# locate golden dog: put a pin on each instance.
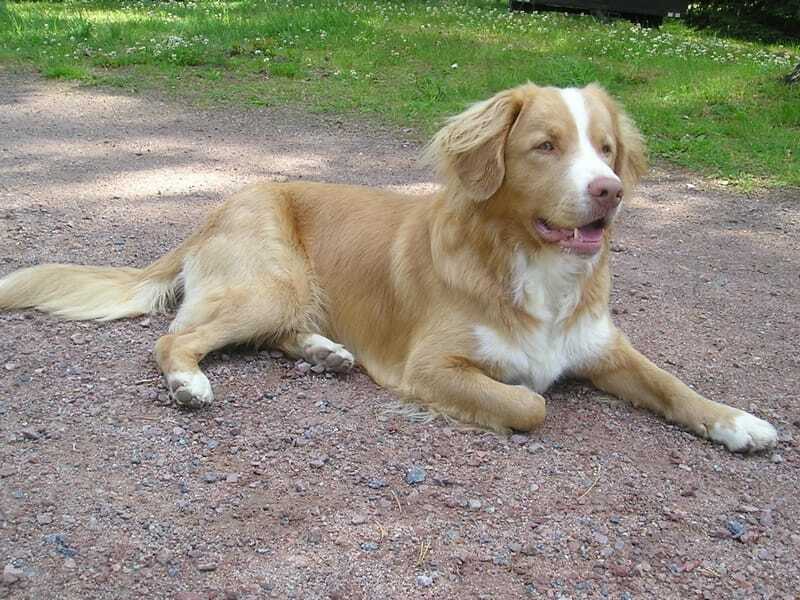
(472, 300)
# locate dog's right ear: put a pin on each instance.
(469, 150)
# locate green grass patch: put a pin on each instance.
(710, 104)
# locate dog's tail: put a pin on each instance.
(101, 293)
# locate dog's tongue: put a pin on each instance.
(586, 239)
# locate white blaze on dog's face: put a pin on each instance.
(567, 155)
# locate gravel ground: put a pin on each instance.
(297, 486)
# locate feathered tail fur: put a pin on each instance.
(100, 293)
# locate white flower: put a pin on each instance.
(454, 66)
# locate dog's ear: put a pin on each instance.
(631, 162)
(470, 148)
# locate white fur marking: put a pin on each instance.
(549, 289)
(587, 164)
(195, 383)
(748, 434)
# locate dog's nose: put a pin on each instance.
(606, 191)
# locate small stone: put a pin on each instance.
(10, 366)
(424, 581)
(212, 477)
(77, 339)
(319, 461)
(518, 439)
(318, 369)
(69, 563)
(206, 566)
(776, 458)
(30, 433)
(736, 528)
(474, 504)
(44, 518)
(415, 475)
(369, 546)
(501, 560)
(275, 354)
(178, 431)
(534, 448)
(7, 472)
(515, 547)
(763, 554)
(144, 323)
(164, 557)
(12, 574)
(358, 519)
(302, 367)
(300, 486)
(374, 483)
(232, 478)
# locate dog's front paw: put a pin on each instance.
(742, 432)
(190, 389)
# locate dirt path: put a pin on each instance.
(294, 487)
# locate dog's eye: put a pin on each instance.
(606, 149)
(546, 146)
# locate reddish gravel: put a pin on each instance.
(295, 486)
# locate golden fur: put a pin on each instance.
(404, 281)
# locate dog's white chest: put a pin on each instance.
(550, 291)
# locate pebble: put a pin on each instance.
(369, 546)
(206, 566)
(77, 339)
(318, 462)
(415, 475)
(164, 557)
(776, 458)
(474, 504)
(12, 574)
(212, 477)
(69, 563)
(30, 433)
(358, 519)
(178, 431)
(302, 367)
(736, 528)
(534, 448)
(424, 580)
(44, 518)
(10, 366)
(376, 483)
(518, 439)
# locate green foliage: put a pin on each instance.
(708, 103)
(768, 20)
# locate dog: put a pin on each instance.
(472, 300)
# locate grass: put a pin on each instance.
(710, 104)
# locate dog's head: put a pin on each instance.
(556, 161)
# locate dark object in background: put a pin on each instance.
(649, 13)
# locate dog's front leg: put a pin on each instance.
(627, 374)
(459, 388)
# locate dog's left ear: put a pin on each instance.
(631, 162)
(470, 148)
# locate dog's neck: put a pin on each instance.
(495, 264)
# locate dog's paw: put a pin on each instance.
(744, 433)
(326, 355)
(190, 389)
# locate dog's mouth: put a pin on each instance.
(586, 240)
